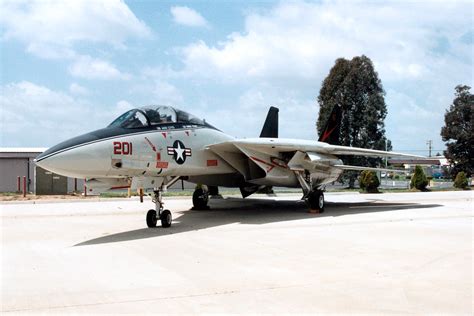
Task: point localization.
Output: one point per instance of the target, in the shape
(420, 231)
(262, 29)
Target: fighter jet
(149, 149)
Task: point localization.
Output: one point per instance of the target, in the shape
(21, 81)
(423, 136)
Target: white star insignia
(179, 152)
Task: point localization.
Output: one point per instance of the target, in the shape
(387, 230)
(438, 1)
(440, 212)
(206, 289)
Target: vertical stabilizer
(330, 134)
(270, 128)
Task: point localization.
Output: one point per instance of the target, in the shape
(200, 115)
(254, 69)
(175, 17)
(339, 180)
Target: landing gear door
(146, 183)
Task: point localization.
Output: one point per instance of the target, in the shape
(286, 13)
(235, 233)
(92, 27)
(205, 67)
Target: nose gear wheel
(159, 213)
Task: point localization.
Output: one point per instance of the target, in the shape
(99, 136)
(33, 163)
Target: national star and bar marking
(179, 152)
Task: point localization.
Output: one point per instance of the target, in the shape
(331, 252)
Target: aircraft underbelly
(289, 181)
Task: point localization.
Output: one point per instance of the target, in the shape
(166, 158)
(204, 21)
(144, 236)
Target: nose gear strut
(159, 212)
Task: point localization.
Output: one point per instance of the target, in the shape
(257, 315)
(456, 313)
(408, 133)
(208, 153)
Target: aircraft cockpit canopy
(155, 115)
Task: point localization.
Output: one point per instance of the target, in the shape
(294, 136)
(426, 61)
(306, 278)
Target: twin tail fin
(329, 135)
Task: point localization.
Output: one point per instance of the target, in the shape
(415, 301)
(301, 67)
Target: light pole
(429, 143)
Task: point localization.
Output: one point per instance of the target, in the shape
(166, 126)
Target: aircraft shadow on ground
(253, 212)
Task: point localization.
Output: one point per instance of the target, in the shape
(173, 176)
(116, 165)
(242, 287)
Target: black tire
(316, 201)
(166, 218)
(200, 199)
(151, 218)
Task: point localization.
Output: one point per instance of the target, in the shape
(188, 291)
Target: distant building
(432, 166)
(19, 162)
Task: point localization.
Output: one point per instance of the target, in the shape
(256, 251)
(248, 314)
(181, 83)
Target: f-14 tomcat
(152, 147)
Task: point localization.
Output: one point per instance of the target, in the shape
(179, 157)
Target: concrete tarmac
(402, 253)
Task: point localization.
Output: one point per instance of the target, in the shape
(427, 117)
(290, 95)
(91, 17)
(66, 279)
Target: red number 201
(123, 148)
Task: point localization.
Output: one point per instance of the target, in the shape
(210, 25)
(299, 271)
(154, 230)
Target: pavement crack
(172, 297)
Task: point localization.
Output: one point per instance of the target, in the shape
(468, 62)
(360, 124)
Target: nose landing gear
(159, 212)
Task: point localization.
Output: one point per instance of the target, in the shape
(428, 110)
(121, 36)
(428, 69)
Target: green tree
(418, 180)
(354, 84)
(461, 180)
(369, 181)
(458, 132)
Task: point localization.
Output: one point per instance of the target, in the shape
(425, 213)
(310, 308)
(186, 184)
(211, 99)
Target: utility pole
(429, 143)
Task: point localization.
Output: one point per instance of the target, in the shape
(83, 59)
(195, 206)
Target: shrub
(418, 180)
(461, 180)
(369, 181)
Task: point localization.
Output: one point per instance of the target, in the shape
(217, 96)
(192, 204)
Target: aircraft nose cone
(67, 145)
(40, 161)
(84, 161)
(87, 155)
(57, 163)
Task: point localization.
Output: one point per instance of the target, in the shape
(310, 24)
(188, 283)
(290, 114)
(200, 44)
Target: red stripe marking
(121, 187)
(151, 144)
(187, 133)
(327, 133)
(264, 162)
(164, 135)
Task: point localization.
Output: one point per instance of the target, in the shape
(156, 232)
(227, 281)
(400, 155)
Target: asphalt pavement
(398, 253)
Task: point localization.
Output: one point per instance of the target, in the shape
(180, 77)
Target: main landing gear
(315, 200)
(159, 212)
(200, 199)
(314, 197)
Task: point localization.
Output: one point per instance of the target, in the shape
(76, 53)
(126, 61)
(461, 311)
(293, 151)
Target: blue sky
(69, 67)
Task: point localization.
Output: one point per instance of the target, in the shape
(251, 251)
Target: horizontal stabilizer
(361, 168)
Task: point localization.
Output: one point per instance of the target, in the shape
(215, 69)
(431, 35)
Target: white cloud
(122, 106)
(157, 91)
(93, 68)
(400, 70)
(301, 40)
(297, 114)
(37, 116)
(33, 115)
(187, 16)
(411, 124)
(244, 116)
(161, 71)
(77, 89)
(417, 49)
(51, 28)
(166, 93)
